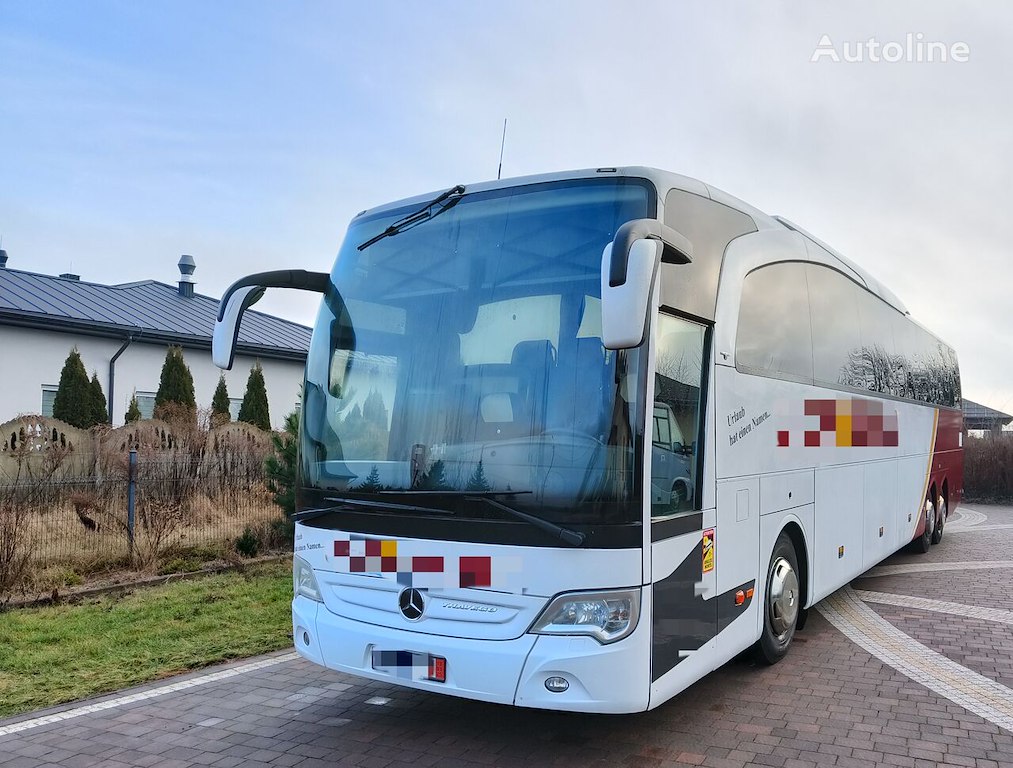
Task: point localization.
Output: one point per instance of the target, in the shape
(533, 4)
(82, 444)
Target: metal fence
(143, 513)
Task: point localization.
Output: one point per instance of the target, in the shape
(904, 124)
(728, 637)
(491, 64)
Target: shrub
(220, 403)
(281, 465)
(175, 385)
(254, 409)
(190, 559)
(280, 534)
(248, 544)
(73, 402)
(27, 490)
(988, 468)
(133, 410)
(99, 413)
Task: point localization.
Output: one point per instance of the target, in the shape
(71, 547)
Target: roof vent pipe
(186, 269)
(3, 259)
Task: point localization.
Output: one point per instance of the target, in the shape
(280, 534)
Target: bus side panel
(840, 511)
(948, 463)
(882, 534)
(912, 480)
(683, 622)
(737, 558)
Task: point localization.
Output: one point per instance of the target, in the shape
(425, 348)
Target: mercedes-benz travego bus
(572, 441)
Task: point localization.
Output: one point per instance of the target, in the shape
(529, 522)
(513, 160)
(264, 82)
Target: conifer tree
(372, 482)
(220, 402)
(436, 478)
(280, 466)
(73, 402)
(133, 410)
(99, 413)
(176, 383)
(477, 481)
(254, 409)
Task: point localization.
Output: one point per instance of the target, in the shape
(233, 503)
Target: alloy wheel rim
(782, 602)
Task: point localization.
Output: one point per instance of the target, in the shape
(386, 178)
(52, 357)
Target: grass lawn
(62, 653)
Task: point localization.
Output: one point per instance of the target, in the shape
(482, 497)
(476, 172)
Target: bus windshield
(462, 359)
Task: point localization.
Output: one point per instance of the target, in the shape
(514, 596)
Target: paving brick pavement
(830, 703)
(983, 646)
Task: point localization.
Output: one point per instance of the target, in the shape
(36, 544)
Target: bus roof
(665, 181)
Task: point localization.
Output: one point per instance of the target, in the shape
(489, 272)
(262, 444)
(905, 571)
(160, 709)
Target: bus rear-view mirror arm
(628, 266)
(246, 292)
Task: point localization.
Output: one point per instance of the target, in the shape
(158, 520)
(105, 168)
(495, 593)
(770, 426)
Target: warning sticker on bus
(708, 550)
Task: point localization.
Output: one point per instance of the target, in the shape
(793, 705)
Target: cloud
(141, 132)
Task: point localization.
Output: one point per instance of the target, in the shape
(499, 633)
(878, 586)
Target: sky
(248, 134)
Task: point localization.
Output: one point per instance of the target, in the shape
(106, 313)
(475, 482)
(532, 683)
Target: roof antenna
(502, 144)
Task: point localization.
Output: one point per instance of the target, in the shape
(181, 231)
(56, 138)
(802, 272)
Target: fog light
(306, 638)
(556, 684)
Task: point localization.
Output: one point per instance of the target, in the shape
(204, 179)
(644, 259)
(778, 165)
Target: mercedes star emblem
(412, 603)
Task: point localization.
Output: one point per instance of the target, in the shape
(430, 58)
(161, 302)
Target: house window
(146, 404)
(235, 403)
(48, 398)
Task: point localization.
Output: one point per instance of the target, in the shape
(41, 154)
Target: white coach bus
(572, 441)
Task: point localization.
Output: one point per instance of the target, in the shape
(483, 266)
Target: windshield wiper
(565, 535)
(425, 213)
(343, 501)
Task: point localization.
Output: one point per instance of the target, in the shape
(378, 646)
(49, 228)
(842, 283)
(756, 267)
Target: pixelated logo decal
(381, 557)
(849, 422)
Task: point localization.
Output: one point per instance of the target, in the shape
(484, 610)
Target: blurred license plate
(410, 665)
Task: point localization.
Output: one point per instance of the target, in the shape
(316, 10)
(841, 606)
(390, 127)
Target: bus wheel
(937, 534)
(924, 541)
(781, 603)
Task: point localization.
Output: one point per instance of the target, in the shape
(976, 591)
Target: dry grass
(57, 536)
(65, 514)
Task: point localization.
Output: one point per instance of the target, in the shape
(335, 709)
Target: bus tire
(937, 534)
(781, 603)
(803, 617)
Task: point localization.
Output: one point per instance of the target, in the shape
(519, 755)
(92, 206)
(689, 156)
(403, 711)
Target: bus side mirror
(628, 266)
(246, 292)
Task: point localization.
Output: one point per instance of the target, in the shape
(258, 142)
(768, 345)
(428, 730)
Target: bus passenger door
(683, 611)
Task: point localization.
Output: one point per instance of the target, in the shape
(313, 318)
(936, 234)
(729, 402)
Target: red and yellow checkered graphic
(380, 557)
(851, 422)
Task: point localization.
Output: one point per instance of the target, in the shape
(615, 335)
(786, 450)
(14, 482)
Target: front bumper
(603, 678)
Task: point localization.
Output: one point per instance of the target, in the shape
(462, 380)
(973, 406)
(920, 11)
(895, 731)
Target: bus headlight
(605, 616)
(303, 581)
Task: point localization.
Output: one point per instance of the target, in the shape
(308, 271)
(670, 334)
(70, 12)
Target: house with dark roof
(123, 331)
(980, 417)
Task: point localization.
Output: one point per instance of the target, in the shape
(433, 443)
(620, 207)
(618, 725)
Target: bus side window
(774, 336)
(837, 339)
(676, 417)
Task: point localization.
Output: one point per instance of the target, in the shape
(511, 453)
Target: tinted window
(710, 226)
(835, 326)
(861, 341)
(677, 393)
(874, 368)
(858, 340)
(465, 354)
(774, 335)
(942, 379)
